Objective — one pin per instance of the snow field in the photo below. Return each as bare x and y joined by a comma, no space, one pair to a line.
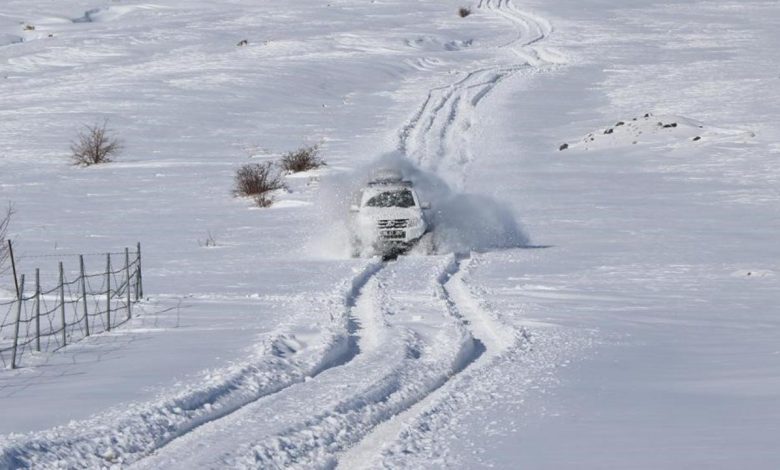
420,325
637,331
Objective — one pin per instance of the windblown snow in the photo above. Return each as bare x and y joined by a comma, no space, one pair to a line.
602,287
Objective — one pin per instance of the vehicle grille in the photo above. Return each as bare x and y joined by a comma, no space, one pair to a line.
393,223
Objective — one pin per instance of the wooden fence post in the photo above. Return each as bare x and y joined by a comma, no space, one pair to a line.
19,299
38,309
127,280
62,307
139,281
13,266
84,294
108,291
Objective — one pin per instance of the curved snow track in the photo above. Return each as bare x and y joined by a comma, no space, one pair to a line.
436,137
407,333
410,340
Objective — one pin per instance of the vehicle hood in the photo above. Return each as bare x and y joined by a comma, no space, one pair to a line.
378,213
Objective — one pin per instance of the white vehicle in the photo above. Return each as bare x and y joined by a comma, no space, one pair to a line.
388,216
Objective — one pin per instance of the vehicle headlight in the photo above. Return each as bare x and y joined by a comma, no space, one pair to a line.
414,223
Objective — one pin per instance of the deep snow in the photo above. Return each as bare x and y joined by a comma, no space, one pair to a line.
617,310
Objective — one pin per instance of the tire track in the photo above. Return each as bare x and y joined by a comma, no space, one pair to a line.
398,349
393,365
409,345
491,339
436,136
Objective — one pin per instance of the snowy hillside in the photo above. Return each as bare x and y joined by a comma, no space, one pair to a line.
605,188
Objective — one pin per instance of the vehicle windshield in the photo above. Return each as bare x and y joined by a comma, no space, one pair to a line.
398,198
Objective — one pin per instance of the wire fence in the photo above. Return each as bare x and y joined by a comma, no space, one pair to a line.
42,320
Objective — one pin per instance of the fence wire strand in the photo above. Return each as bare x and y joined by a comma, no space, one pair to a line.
51,319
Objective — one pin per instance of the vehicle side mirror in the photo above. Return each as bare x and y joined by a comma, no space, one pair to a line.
354,208
425,205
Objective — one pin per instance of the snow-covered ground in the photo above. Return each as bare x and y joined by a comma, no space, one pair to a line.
610,303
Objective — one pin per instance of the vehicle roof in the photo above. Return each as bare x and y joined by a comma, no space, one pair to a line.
388,177
380,188
390,182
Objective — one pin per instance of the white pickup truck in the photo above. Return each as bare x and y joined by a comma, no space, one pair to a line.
388,216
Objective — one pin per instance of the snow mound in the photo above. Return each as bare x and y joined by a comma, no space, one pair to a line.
651,129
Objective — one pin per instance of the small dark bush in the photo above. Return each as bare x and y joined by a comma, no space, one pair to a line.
258,180
464,12
95,145
209,242
303,159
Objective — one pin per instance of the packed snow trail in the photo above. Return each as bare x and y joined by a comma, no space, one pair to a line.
410,342
493,337
436,137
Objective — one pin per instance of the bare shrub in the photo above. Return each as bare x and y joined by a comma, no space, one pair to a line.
5,220
258,180
303,159
464,12
264,200
209,242
95,145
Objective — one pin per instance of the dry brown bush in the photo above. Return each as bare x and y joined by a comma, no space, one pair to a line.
95,145
258,180
303,159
